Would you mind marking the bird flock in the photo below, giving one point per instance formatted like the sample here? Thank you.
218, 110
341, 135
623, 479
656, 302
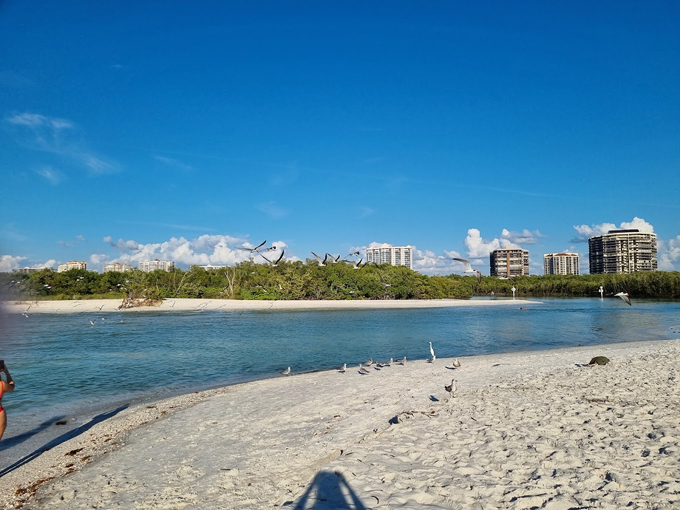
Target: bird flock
369, 366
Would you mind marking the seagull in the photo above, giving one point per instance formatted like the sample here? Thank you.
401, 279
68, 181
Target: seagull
363, 370
368, 363
276, 262
24, 314
468, 268
456, 363
357, 265
92, 322
402, 361
333, 258
321, 262
353, 254
451, 388
286, 371
625, 296
432, 352
343, 369
253, 250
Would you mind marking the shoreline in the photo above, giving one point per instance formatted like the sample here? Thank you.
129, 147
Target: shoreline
230, 305
343, 419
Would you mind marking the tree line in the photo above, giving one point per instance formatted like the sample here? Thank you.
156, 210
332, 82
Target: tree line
310, 281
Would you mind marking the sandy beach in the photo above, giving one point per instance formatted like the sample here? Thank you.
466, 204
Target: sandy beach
183, 305
524, 430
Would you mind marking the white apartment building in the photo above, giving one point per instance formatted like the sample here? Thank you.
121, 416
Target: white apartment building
117, 268
623, 251
388, 254
561, 263
154, 265
72, 264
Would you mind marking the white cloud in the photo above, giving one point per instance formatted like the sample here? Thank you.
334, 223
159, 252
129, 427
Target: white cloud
479, 247
9, 263
98, 258
586, 231
50, 174
526, 236
35, 120
669, 254
204, 250
58, 136
428, 262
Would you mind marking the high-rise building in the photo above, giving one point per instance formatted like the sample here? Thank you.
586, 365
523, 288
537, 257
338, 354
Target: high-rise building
154, 265
72, 264
116, 267
388, 254
509, 262
561, 263
622, 251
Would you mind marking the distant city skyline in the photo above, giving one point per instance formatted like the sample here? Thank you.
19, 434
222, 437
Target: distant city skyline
181, 132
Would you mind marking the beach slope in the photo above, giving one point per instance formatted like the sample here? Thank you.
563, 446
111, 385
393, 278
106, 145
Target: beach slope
524, 430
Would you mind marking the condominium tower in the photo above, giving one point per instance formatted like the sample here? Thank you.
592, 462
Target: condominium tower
561, 263
388, 254
622, 251
154, 265
509, 262
71, 264
116, 267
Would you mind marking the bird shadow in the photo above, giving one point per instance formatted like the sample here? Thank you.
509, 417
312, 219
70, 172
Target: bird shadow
449, 368
328, 490
62, 438
433, 398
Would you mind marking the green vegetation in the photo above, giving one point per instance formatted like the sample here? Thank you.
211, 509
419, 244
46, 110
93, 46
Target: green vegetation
298, 280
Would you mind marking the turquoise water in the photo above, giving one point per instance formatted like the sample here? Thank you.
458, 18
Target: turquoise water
65, 366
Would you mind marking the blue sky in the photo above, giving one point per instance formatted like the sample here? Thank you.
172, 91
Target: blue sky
142, 130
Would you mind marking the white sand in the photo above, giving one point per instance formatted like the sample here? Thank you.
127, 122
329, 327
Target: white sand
525, 430
183, 305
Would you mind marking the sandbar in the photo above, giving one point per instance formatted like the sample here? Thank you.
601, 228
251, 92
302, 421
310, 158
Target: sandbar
538, 429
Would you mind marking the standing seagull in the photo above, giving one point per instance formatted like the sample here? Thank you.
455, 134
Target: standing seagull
431, 360
343, 369
402, 361
363, 370
468, 269
624, 296
368, 363
286, 371
451, 388
456, 363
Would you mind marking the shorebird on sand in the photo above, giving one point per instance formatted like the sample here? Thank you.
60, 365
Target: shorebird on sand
451, 388
368, 363
343, 369
286, 371
363, 370
431, 360
402, 361
624, 296
456, 363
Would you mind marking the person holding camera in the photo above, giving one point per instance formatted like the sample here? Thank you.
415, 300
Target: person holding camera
5, 386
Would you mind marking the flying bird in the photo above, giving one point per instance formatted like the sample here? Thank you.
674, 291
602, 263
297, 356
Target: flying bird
253, 250
333, 258
357, 265
319, 260
625, 296
286, 371
276, 262
468, 268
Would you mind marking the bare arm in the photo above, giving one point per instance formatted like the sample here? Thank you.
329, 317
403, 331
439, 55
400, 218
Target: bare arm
9, 385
